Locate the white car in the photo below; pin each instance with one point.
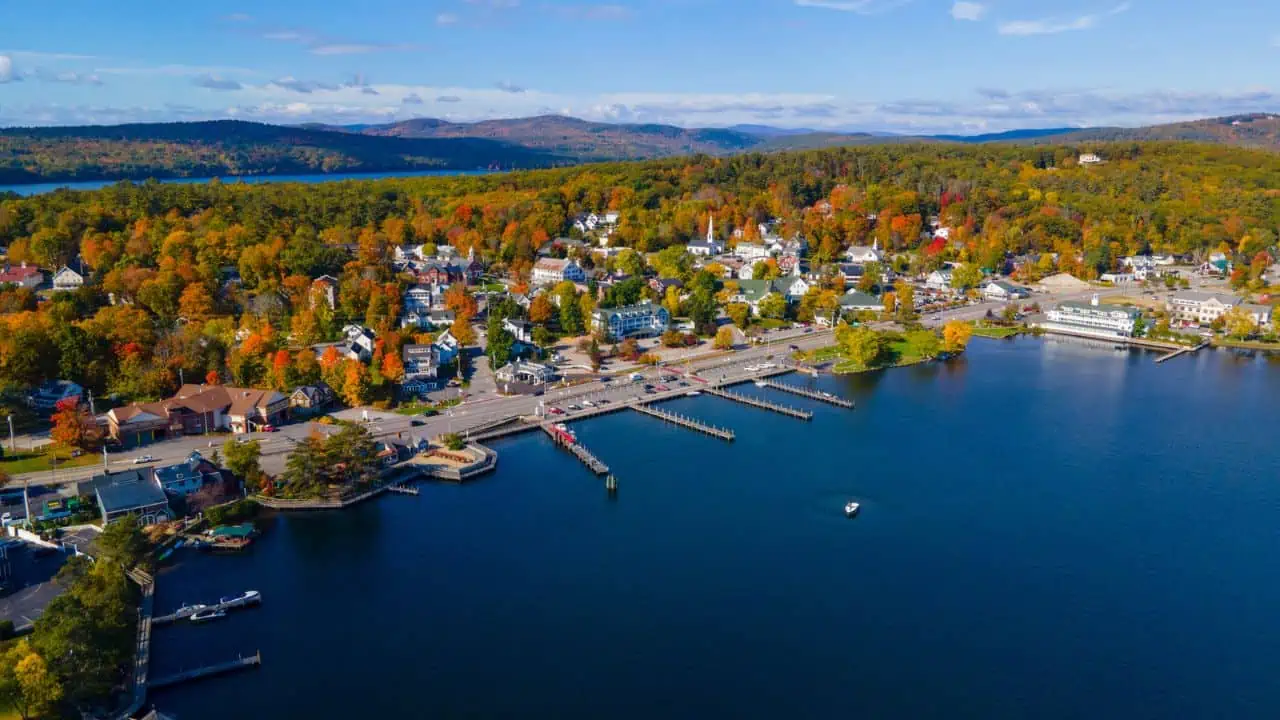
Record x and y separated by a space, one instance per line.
143 459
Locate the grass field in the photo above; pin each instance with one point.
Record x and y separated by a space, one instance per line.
25 462
998 333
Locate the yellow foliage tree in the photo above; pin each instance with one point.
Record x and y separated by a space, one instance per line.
955 336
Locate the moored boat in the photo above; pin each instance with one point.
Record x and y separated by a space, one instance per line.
851 508
187 611
208 615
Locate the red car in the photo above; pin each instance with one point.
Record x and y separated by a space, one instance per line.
555 411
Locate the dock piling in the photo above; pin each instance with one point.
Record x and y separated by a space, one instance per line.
759 403
811 394
685 422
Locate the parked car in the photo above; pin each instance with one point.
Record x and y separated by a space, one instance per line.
141 459
268 428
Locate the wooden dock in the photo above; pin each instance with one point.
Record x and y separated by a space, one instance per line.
811 394
762 404
1182 351
565 441
243 663
685 422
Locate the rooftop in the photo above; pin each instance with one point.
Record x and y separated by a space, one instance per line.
124 496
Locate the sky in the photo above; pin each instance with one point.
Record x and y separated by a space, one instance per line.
904 66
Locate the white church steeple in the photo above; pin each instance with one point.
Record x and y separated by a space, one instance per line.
711 229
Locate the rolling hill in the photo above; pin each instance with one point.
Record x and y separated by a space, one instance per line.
580 139
232 147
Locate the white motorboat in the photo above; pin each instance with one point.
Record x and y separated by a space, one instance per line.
188 610
761 383
693 393
207 615
851 508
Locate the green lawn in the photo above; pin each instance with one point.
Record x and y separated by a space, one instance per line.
772 323
998 333
25 462
1246 344
825 354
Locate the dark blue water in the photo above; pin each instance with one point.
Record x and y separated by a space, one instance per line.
1049 529
40 188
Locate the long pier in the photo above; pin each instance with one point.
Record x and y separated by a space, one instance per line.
403 489
243 663
811 394
685 422
1182 351
238 602
762 404
567 442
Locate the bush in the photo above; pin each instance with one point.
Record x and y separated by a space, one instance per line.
232 513
454 442
6 629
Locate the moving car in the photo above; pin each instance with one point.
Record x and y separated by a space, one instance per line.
143 459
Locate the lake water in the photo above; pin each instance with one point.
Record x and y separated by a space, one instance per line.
40 188
1050 529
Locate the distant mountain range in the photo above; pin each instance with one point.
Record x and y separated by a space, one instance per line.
230 148
579 139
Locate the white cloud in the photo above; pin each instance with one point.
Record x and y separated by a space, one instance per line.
239 17
1054 25
862 7
215 82
963 10
6 69
446 19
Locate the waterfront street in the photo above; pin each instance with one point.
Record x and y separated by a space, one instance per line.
480 408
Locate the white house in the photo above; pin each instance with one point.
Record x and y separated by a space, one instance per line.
1001 291
1093 319
522 330
67 279
1090 159
750 251
448 347
549 271
863 255
361 337
939 280
1118 278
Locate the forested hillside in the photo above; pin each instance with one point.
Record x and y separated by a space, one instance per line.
230 147
187 263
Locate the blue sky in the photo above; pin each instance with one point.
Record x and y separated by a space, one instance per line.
880 65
